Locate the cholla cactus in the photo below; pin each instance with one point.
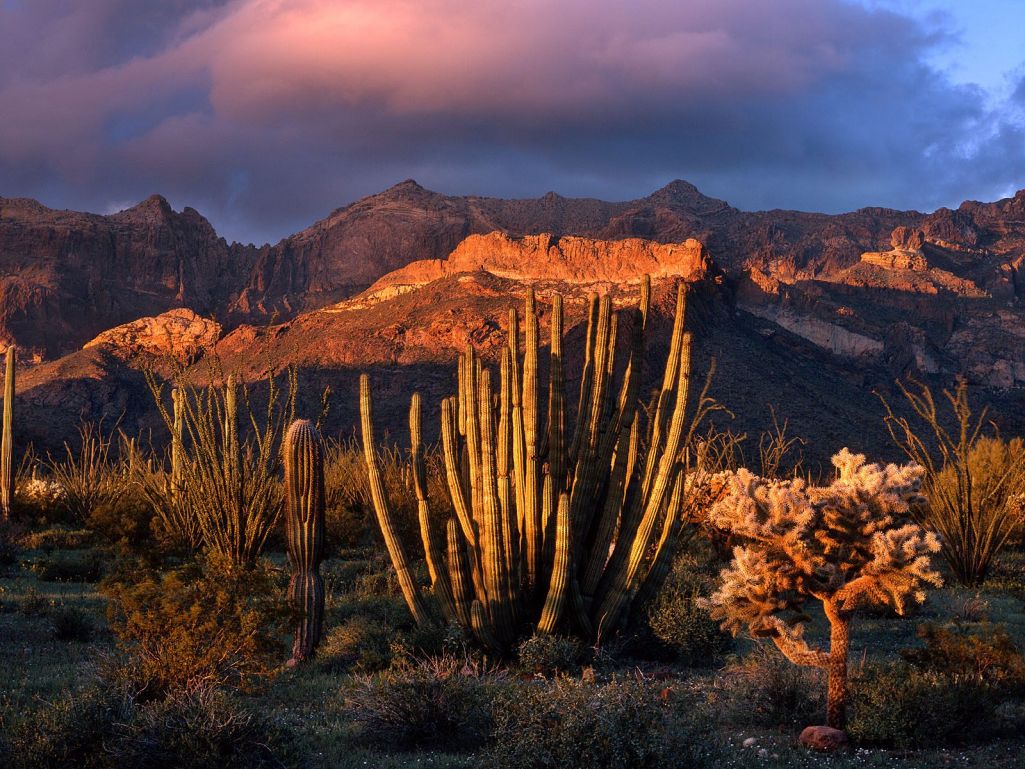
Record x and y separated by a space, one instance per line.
846 545
41 492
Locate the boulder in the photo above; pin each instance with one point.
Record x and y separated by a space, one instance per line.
824 738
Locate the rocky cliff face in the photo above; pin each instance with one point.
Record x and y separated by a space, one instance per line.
66 277
597 265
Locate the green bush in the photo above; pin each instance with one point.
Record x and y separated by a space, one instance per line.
199 624
550 655
359 644
70 624
765 689
74 566
205 729
436 703
677 621
58 538
105 727
951 691
986 655
898 706
570 724
126 521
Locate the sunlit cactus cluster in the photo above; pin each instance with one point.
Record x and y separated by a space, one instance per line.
554 529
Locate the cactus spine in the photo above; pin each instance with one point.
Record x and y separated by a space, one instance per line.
7 444
549 533
304 527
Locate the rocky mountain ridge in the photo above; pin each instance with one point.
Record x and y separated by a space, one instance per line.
809 312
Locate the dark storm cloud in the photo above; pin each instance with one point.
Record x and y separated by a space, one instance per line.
265 114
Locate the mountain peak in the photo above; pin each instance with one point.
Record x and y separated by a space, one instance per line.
407 185
682 193
155 206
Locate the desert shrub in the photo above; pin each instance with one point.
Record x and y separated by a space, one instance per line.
126 521
952 690
71 624
199 624
74 566
358 644
764 689
348 515
203 729
569 723
550 655
973 608
89 474
987 656
58 538
899 706
436 703
105 727
38 499
68 733
676 619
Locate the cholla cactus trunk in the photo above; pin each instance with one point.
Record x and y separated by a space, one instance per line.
304 526
7 444
836 668
552 532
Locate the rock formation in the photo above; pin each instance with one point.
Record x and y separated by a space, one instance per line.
180 334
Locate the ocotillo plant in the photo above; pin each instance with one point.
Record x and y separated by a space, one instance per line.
553 529
304 528
7 442
226 480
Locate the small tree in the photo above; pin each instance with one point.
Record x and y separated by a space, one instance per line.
845 545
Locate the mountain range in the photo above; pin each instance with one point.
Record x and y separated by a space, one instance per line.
809 313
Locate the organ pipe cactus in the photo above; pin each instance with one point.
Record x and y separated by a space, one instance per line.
177 441
554 529
385 520
304 527
7 442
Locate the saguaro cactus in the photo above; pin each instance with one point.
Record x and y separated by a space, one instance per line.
550 533
304 525
7 442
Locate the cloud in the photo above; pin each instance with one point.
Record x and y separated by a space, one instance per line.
265 114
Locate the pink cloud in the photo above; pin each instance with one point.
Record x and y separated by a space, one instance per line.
256 109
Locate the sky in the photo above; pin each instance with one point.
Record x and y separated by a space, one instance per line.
265 115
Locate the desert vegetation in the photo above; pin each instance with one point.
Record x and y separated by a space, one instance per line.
607 577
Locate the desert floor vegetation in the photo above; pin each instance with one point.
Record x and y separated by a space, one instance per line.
98 667
261 596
